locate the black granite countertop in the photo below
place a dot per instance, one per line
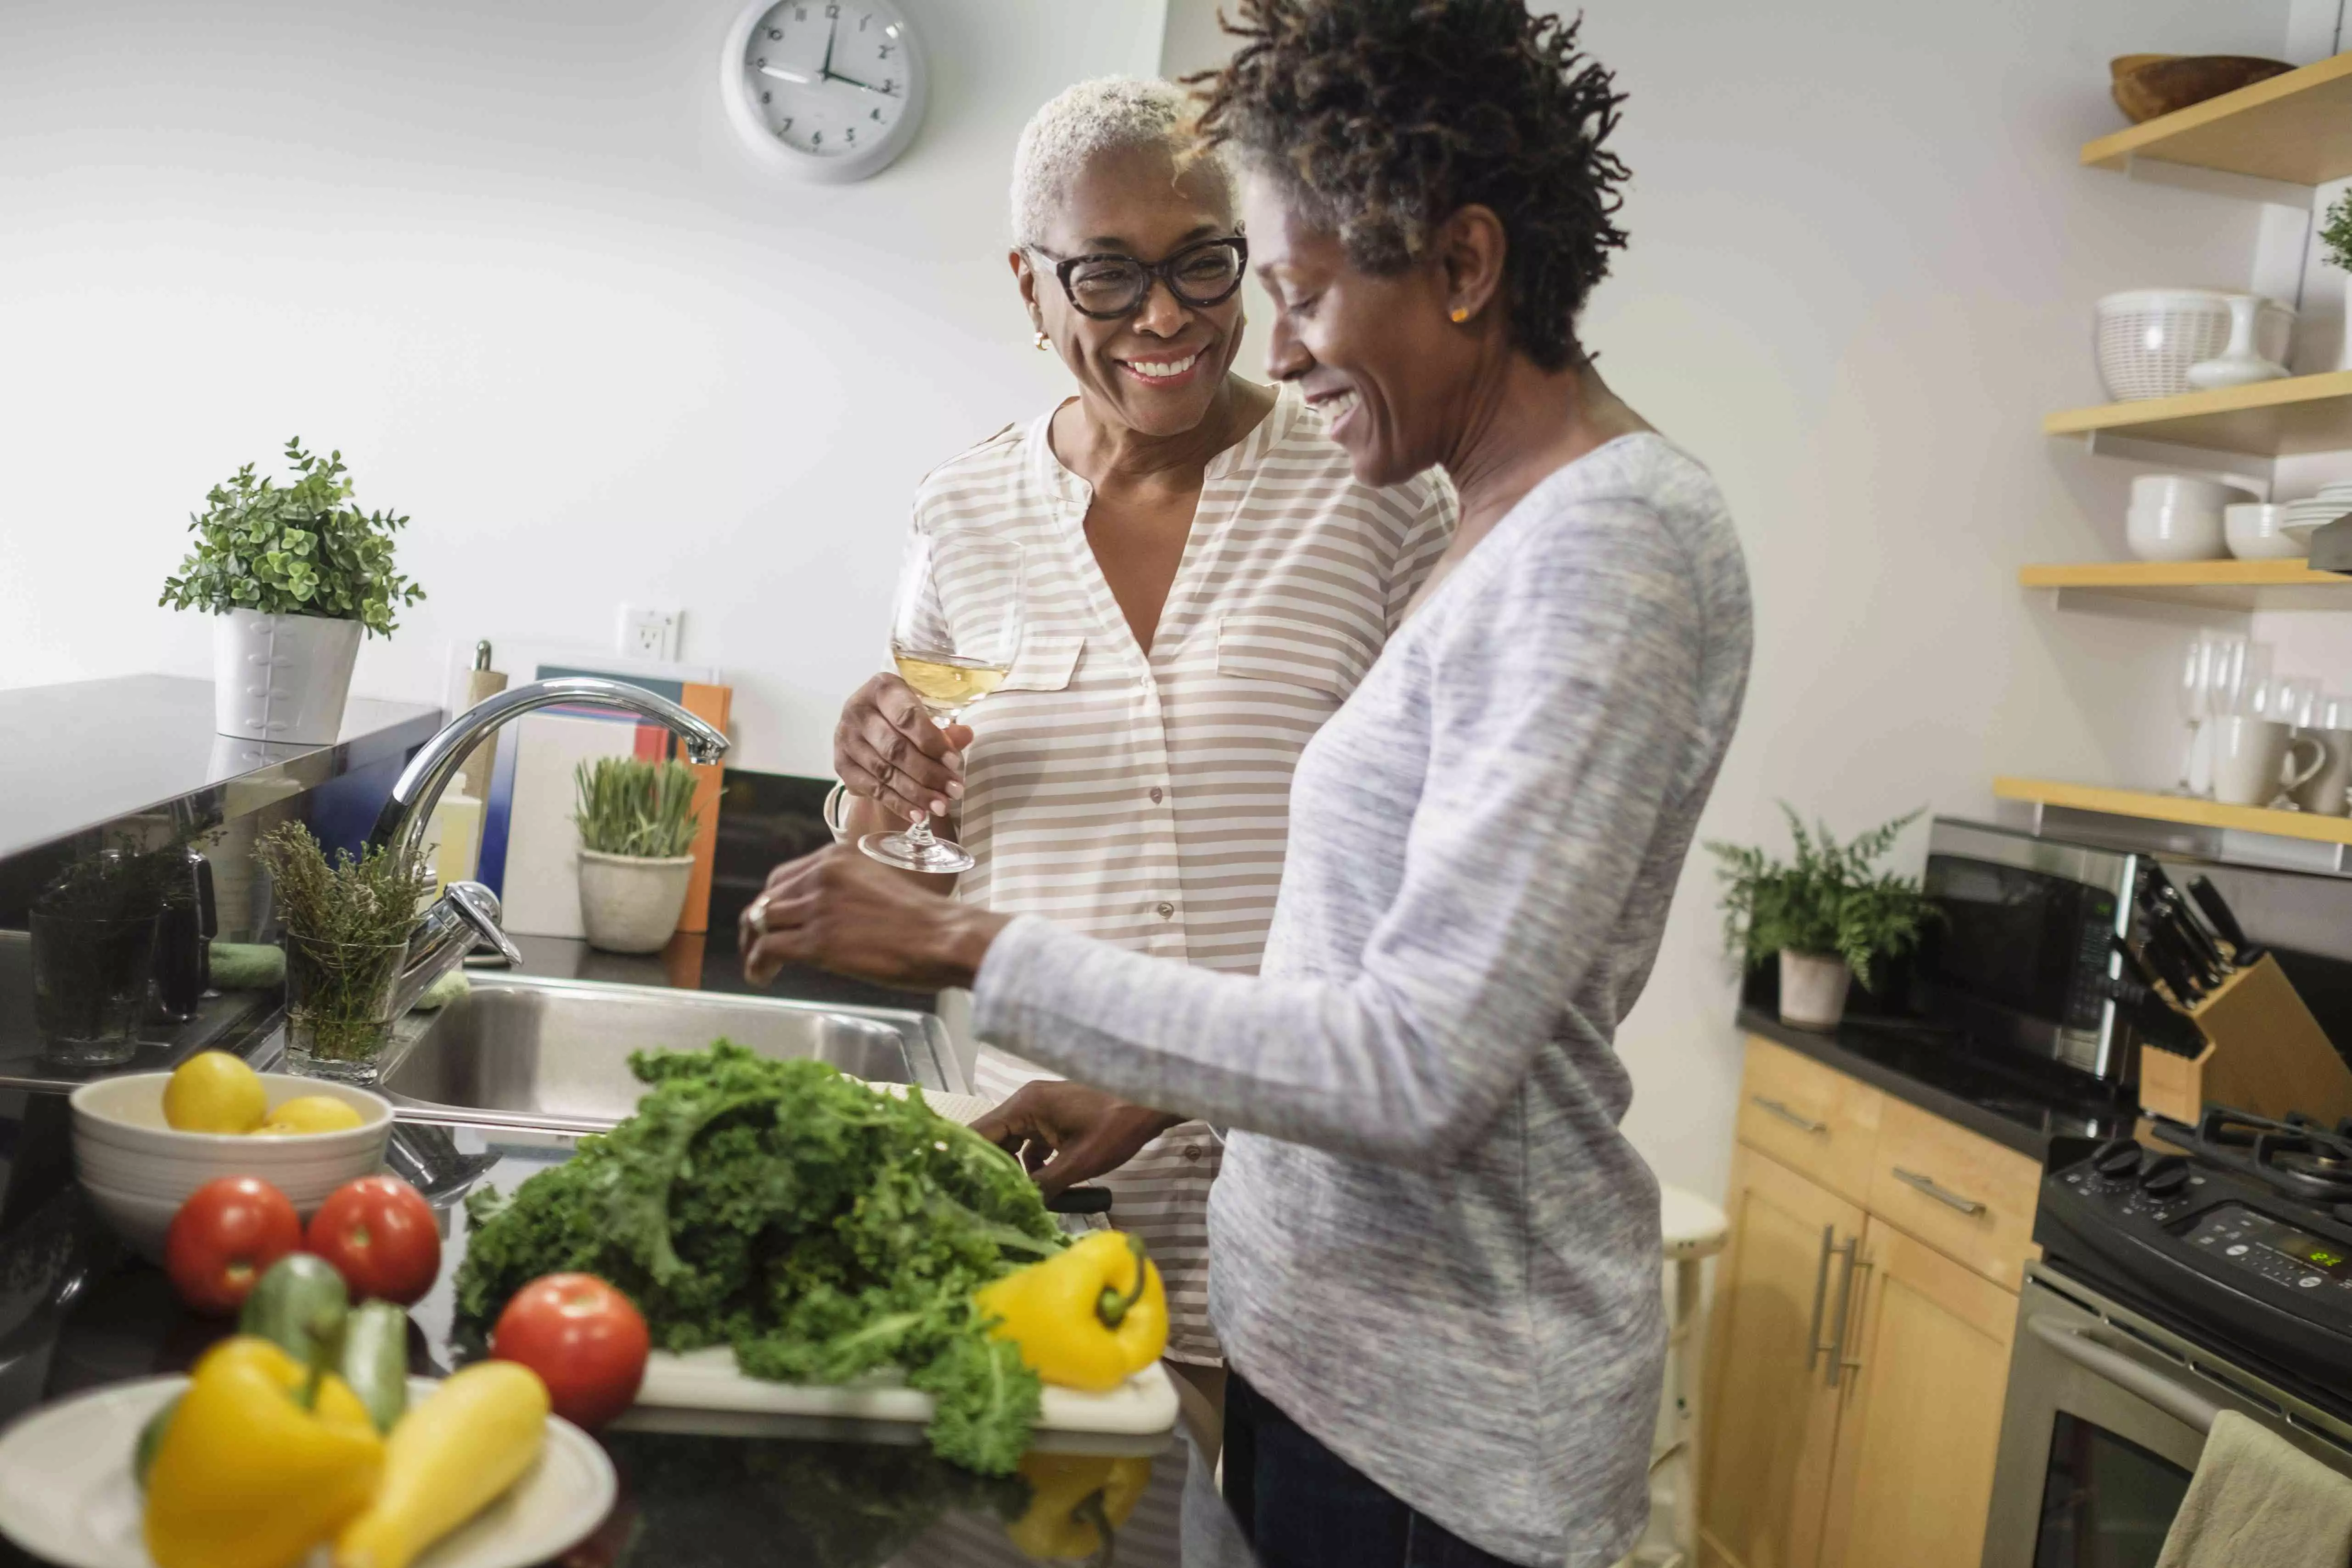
(76, 1313)
(1940, 1072)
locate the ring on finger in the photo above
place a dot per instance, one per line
(756, 917)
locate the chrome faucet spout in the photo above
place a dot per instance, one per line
(404, 819)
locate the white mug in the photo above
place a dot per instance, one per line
(2325, 793)
(2250, 760)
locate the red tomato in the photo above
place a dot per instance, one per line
(586, 1341)
(379, 1234)
(223, 1239)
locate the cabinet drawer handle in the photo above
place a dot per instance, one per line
(1804, 1123)
(1938, 1190)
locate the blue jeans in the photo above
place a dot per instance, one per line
(1302, 1506)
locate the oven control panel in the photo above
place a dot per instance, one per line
(2238, 1236)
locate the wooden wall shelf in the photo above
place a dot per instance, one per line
(2177, 808)
(2270, 418)
(2296, 128)
(2209, 584)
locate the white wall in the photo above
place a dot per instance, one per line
(1862, 263)
(510, 258)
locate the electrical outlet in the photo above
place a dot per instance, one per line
(650, 634)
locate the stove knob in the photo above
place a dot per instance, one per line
(2164, 1176)
(2118, 1158)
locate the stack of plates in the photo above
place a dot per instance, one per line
(2332, 502)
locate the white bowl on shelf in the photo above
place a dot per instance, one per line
(2145, 340)
(2175, 534)
(2256, 532)
(127, 1157)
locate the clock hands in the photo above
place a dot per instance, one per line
(824, 71)
(783, 74)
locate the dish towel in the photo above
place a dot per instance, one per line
(2257, 1502)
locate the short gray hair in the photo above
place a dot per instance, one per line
(1107, 114)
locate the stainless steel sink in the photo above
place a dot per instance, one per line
(555, 1054)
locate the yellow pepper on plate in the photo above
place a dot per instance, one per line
(1090, 1317)
(264, 1460)
(1076, 1500)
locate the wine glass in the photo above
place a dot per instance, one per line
(953, 636)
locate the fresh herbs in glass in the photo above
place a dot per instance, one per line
(346, 924)
(642, 809)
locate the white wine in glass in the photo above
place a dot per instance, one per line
(953, 636)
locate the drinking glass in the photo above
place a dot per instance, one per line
(953, 636)
(2194, 695)
(89, 984)
(339, 1006)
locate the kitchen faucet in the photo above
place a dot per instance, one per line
(467, 912)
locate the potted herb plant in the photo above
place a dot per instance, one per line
(295, 575)
(1828, 917)
(2336, 234)
(637, 825)
(346, 925)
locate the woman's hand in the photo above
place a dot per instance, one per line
(839, 911)
(1066, 1133)
(886, 749)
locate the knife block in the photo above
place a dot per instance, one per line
(2264, 1052)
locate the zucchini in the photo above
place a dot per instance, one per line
(375, 1360)
(150, 1438)
(299, 1306)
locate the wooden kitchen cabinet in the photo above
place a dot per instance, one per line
(1771, 1413)
(1895, 1463)
(1912, 1478)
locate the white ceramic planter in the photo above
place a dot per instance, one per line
(631, 904)
(1812, 990)
(282, 677)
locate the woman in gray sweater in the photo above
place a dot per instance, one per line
(1433, 1257)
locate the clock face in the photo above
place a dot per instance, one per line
(834, 86)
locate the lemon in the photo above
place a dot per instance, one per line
(214, 1092)
(311, 1113)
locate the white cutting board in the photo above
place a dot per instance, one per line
(1142, 1406)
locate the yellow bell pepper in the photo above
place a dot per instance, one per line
(264, 1460)
(1090, 1317)
(1076, 1500)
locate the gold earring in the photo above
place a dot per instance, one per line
(1043, 341)
(1459, 314)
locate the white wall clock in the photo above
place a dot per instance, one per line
(831, 89)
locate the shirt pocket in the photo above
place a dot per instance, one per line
(1255, 646)
(1046, 663)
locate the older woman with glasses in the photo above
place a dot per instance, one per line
(1436, 1253)
(1205, 581)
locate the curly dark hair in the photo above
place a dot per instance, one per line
(1384, 117)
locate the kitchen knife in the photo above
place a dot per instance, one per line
(2225, 921)
(2159, 1024)
(2134, 963)
(2170, 965)
(2168, 911)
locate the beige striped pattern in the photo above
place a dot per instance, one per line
(1144, 800)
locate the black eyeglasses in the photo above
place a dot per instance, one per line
(1110, 286)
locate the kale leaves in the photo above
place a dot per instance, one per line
(821, 1229)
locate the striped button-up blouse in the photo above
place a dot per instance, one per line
(1143, 798)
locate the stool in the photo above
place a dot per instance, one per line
(1692, 1231)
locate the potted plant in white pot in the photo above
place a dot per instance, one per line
(295, 575)
(637, 825)
(1827, 918)
(2336, 234)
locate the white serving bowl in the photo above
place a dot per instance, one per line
(126, 1155)
(2175, 534)
(2256, 533)
(142, 1222)
(2145, 340)
(2151, 490)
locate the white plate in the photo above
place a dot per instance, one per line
(67, 1492)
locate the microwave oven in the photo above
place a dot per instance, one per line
(2023, 955)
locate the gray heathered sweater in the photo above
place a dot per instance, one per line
(1431, 1244)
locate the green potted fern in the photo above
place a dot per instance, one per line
(294, 576)
(1828, 917)
(638, 823)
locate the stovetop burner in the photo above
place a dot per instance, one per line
(2295, 1156)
